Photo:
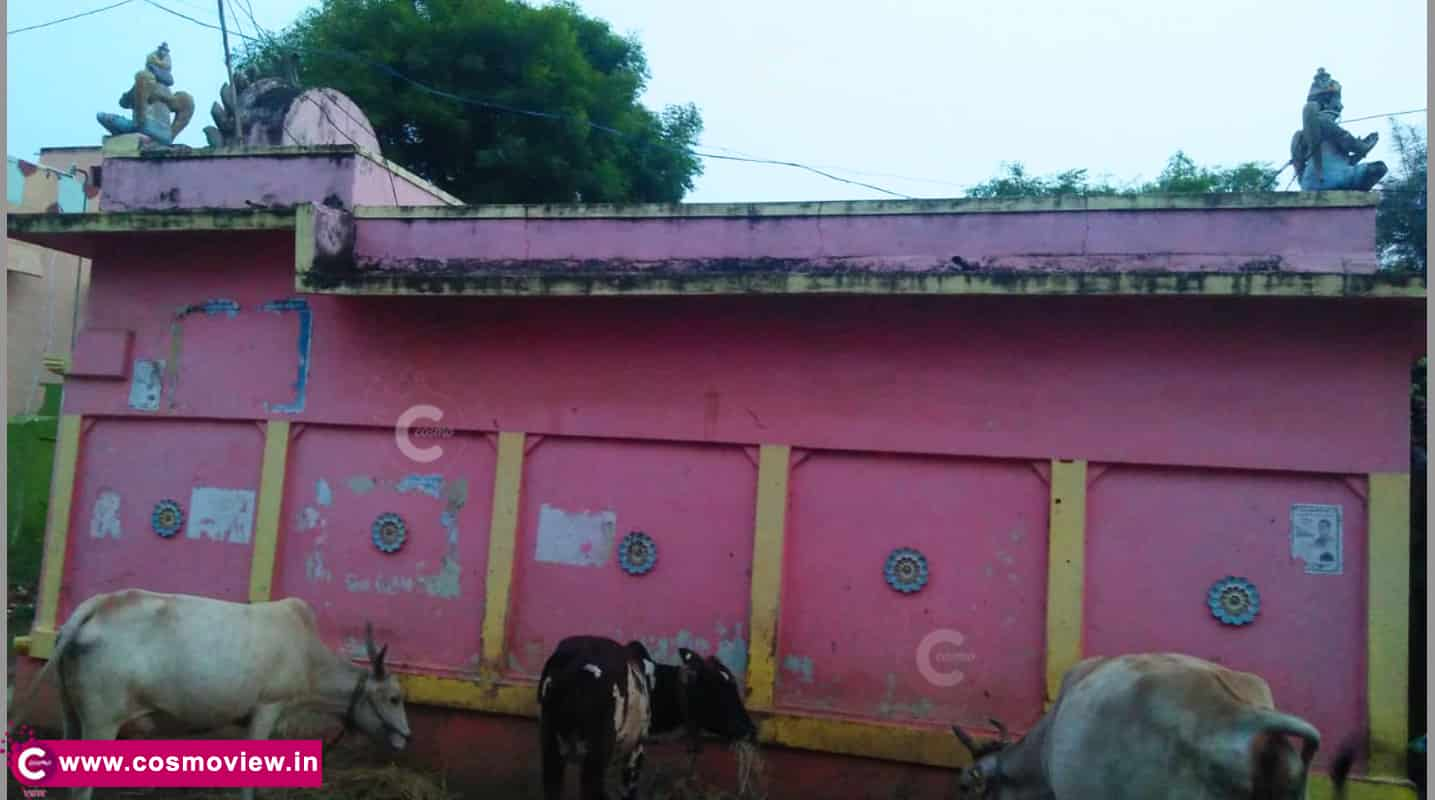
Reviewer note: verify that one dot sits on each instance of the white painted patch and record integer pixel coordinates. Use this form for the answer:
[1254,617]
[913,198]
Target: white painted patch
[1317,538]
[146,379]
[221,514]
[578,539]
[595,669]
[105,522]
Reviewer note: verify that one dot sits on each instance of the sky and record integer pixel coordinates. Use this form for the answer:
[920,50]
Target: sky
[923,98]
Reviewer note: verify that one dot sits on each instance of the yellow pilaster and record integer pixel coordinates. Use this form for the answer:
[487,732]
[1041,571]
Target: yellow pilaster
[773,465]
[271,501]
[1066,569]
[502,535]
[1388,625]
[57,534]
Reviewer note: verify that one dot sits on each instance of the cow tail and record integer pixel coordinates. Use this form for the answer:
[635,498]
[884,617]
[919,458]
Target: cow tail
[68,632]
[1268,761]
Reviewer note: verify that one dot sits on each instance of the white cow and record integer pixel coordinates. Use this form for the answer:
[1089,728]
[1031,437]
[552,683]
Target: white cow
[134,656]
[1150,725]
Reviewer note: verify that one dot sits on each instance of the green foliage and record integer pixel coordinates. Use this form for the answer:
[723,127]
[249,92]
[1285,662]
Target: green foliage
[551,59]
[1180,175]
[1017,182]
[1400,221]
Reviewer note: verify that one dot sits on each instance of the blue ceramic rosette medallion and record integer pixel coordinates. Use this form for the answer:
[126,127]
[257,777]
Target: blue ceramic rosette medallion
[389,532]
[1234,601]
[167,518]
[638,553]
[906,570]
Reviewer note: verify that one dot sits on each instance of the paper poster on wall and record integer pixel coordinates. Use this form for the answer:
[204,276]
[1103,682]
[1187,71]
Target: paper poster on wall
[574,538]
[221,515]
[1317,538]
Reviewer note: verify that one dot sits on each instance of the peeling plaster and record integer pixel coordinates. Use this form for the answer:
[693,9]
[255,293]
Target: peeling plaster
[361,484]
[314,567]
[322,493]
[801,666]
[105,521]
[145,384]
[921,709]
[308,519]
[430,485]
[301,381]
[733,652]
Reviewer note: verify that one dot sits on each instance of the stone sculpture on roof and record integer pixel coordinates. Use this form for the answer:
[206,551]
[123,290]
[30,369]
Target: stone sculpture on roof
[1325,155]
[156,110]
[262,100]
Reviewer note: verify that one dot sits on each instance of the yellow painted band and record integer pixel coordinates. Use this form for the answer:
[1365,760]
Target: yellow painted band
[769,532]
[902,744]
[1388,626]
[1066,571]
[57,525]
[234,219]
[271,501]
[502,538]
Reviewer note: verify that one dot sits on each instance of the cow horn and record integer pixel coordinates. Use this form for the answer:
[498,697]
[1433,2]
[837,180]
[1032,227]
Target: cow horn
[1001,730]
[965,740]
[977,749]
[369,639]
[379,662]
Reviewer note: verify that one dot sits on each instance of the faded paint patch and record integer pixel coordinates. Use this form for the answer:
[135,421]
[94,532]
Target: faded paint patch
[800,666]
[314,567]
[221,514]
[362,484]
[921,709]
[145,384]
[322,493]
[308,519]
[577,539]
[105,521]
[430,485]
[733,652]
[301,381]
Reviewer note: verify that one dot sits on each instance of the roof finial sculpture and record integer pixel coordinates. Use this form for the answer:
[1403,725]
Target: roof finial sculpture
[1325,155]
[264,97]
[156,110]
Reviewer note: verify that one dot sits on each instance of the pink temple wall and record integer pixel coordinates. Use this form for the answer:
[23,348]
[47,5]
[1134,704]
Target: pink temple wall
[918,421]
[1218,239]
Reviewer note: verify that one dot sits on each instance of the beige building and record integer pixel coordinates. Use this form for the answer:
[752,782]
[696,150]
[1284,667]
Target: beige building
[46,288]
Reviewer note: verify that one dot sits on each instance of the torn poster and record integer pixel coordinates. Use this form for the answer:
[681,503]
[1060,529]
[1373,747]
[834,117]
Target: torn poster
[221,514]
[1316,538]
[578,539]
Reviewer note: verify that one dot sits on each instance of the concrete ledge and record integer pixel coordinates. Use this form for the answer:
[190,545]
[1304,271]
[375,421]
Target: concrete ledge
[847,208]
[1385,286]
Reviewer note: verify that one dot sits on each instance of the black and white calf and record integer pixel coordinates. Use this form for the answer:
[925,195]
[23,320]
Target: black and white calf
[600,700]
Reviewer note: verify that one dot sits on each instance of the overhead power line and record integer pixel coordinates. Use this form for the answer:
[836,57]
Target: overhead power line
[67,19]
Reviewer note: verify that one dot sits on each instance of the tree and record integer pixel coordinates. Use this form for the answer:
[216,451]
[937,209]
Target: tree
[1180,175]
[520,91]
[1400,220]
